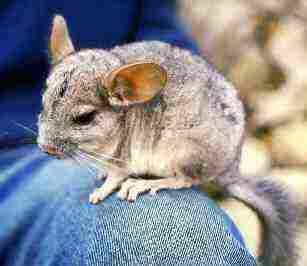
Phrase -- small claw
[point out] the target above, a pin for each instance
(95, 198)
(137, 187)
(107, 188)
(130, 200)
(153, 191)
(125, 187)
(133, 195)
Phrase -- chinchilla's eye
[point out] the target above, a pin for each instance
(84, 119)
(84, 116)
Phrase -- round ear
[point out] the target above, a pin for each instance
(135, 83)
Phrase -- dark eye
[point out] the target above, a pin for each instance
(85, 118)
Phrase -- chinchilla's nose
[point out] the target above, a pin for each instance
(51, 150)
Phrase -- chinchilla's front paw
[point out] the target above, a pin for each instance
(96, 196)
(132, 188)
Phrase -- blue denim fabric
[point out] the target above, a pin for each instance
(46, 220)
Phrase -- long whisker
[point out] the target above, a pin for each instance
(88, 161)
(103, 155)
(25, 127)
(91, 157)
(81, 163)
(103, 162)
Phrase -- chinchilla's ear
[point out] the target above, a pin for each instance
(135, 83)
(60, 42)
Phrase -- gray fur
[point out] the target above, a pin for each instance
(194, 127)
(279, 213)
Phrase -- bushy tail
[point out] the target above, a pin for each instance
(280, 215)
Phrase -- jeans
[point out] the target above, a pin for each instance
(45, 219)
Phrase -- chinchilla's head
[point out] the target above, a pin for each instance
(88, 93)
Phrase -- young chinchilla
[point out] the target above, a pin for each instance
(149, 109)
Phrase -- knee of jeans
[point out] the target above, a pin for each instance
(150, 230)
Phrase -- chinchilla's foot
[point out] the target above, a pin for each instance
(109, 186)
(96, 197)
(132, 188)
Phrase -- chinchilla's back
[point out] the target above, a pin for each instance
(197, 99)
(200, 104)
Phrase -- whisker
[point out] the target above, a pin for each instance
(90, 157)
(25, 127)
(78, 161)
(103, 155)
(103, 162)
(89, 162)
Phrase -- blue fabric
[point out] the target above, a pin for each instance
(25, 26)
(46, 220)
(44, 211)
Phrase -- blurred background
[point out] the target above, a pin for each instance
(261, 46)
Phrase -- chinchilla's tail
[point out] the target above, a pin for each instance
(280, 215)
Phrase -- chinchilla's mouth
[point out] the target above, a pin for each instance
(51, 150)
